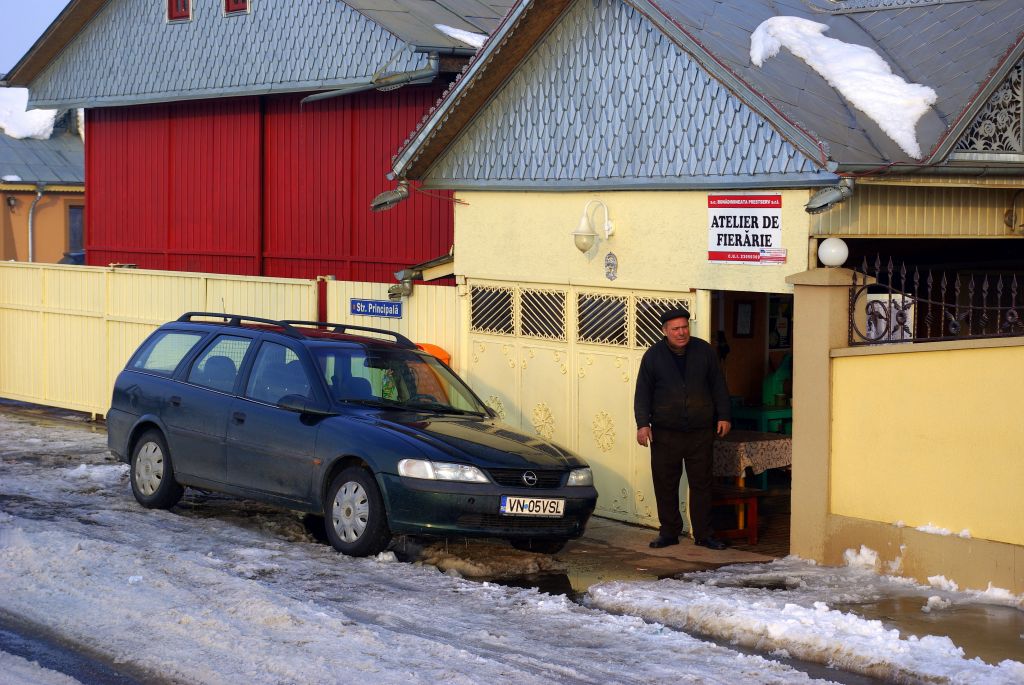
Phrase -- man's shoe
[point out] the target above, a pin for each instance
(710, 543)
(663, 541)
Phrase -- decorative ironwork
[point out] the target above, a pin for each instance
(604, 431)
(491, 310)
(997, 128)
(648, 318)
(894, 305)
(543, 421)
(542, 313)
(602, 319)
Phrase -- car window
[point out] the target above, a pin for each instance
(402, 376)
(277, 372)
(218, 365)
(164, 351)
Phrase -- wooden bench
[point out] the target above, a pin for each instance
(745, 499)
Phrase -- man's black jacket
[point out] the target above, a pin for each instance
(664, 400)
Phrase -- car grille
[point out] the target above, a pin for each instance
(495, 521)
(513, 478)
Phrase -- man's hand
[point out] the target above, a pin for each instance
(643, 436)
(723, 428)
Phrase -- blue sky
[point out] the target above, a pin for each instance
(23, 22)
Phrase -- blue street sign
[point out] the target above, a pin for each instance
(383, 308)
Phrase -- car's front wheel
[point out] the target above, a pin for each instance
(152, 474)
(356, 521)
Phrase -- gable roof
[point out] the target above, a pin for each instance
(961, 48)
(60, 159)
(606, 101)
(116, 52)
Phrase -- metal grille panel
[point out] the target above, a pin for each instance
(602, 319)
(514, 478)
(648, 318)
(491, 310)
(543, 313)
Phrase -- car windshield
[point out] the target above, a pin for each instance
(393, 377)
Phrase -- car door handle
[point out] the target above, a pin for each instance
(238, 417)
(175, 401)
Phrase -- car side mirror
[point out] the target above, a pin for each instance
(301, 404)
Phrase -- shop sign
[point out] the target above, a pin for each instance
(745, 229)
(383, 308)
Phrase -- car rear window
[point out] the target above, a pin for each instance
(164, 351)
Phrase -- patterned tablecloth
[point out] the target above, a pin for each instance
(749, 449)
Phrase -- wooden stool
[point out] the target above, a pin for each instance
(746, 499)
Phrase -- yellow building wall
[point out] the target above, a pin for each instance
(660, 240)
(931, 437)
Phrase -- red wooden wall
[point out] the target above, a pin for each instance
(260, 186)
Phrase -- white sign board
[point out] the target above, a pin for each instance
(745, 229)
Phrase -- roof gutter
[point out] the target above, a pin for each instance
(438, 50)
(386, 82)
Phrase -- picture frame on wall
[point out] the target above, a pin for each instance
(780, 322)
(743, 319)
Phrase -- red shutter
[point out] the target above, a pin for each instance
(236, 6)
(179, 9)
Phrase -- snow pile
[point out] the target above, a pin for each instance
(483, 559)
(17, 123)
(24, 672)
(784, 607)
(936, 530)
(856, 71)
(865, 558)
(475, 40)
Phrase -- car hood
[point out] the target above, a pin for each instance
(481, 442)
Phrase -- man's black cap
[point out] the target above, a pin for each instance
(677, 313)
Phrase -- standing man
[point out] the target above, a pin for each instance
(681, 403)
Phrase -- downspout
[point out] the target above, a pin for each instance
(388, 82)
(40, 187)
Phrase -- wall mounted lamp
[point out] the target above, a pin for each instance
(826, 198)
(12, 202)
(585, 236)
(833, 251)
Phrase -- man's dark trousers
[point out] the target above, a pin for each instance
(670, 450)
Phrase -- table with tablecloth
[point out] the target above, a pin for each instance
(742, 449)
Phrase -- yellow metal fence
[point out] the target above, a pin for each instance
(66, 331)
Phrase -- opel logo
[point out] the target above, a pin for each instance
(530, 478)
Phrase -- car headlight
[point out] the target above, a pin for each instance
(440, 470)
(581, 477)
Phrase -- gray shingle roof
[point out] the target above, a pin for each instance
(952, 47)
(130, 54)
(606, 100)
(60, 159)
(960, 48)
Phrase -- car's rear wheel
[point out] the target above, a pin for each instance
(356, 521)
(152, 474)
(539, 545)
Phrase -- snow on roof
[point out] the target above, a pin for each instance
(856, 71)
(475, 40)
(18, 123)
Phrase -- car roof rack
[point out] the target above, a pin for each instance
(346, 327)
(237, 319)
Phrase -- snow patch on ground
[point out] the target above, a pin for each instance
(18, 123)
(856, 71)
(24, 672)
(784, 606)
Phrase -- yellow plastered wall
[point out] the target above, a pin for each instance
(931, 437)
(660, 240)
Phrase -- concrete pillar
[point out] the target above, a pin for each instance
(820, 324)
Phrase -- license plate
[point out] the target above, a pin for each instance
(532, 506)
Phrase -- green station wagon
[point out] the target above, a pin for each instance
(375, 435)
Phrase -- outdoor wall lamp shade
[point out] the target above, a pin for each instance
(585, 236)
(833, 251)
